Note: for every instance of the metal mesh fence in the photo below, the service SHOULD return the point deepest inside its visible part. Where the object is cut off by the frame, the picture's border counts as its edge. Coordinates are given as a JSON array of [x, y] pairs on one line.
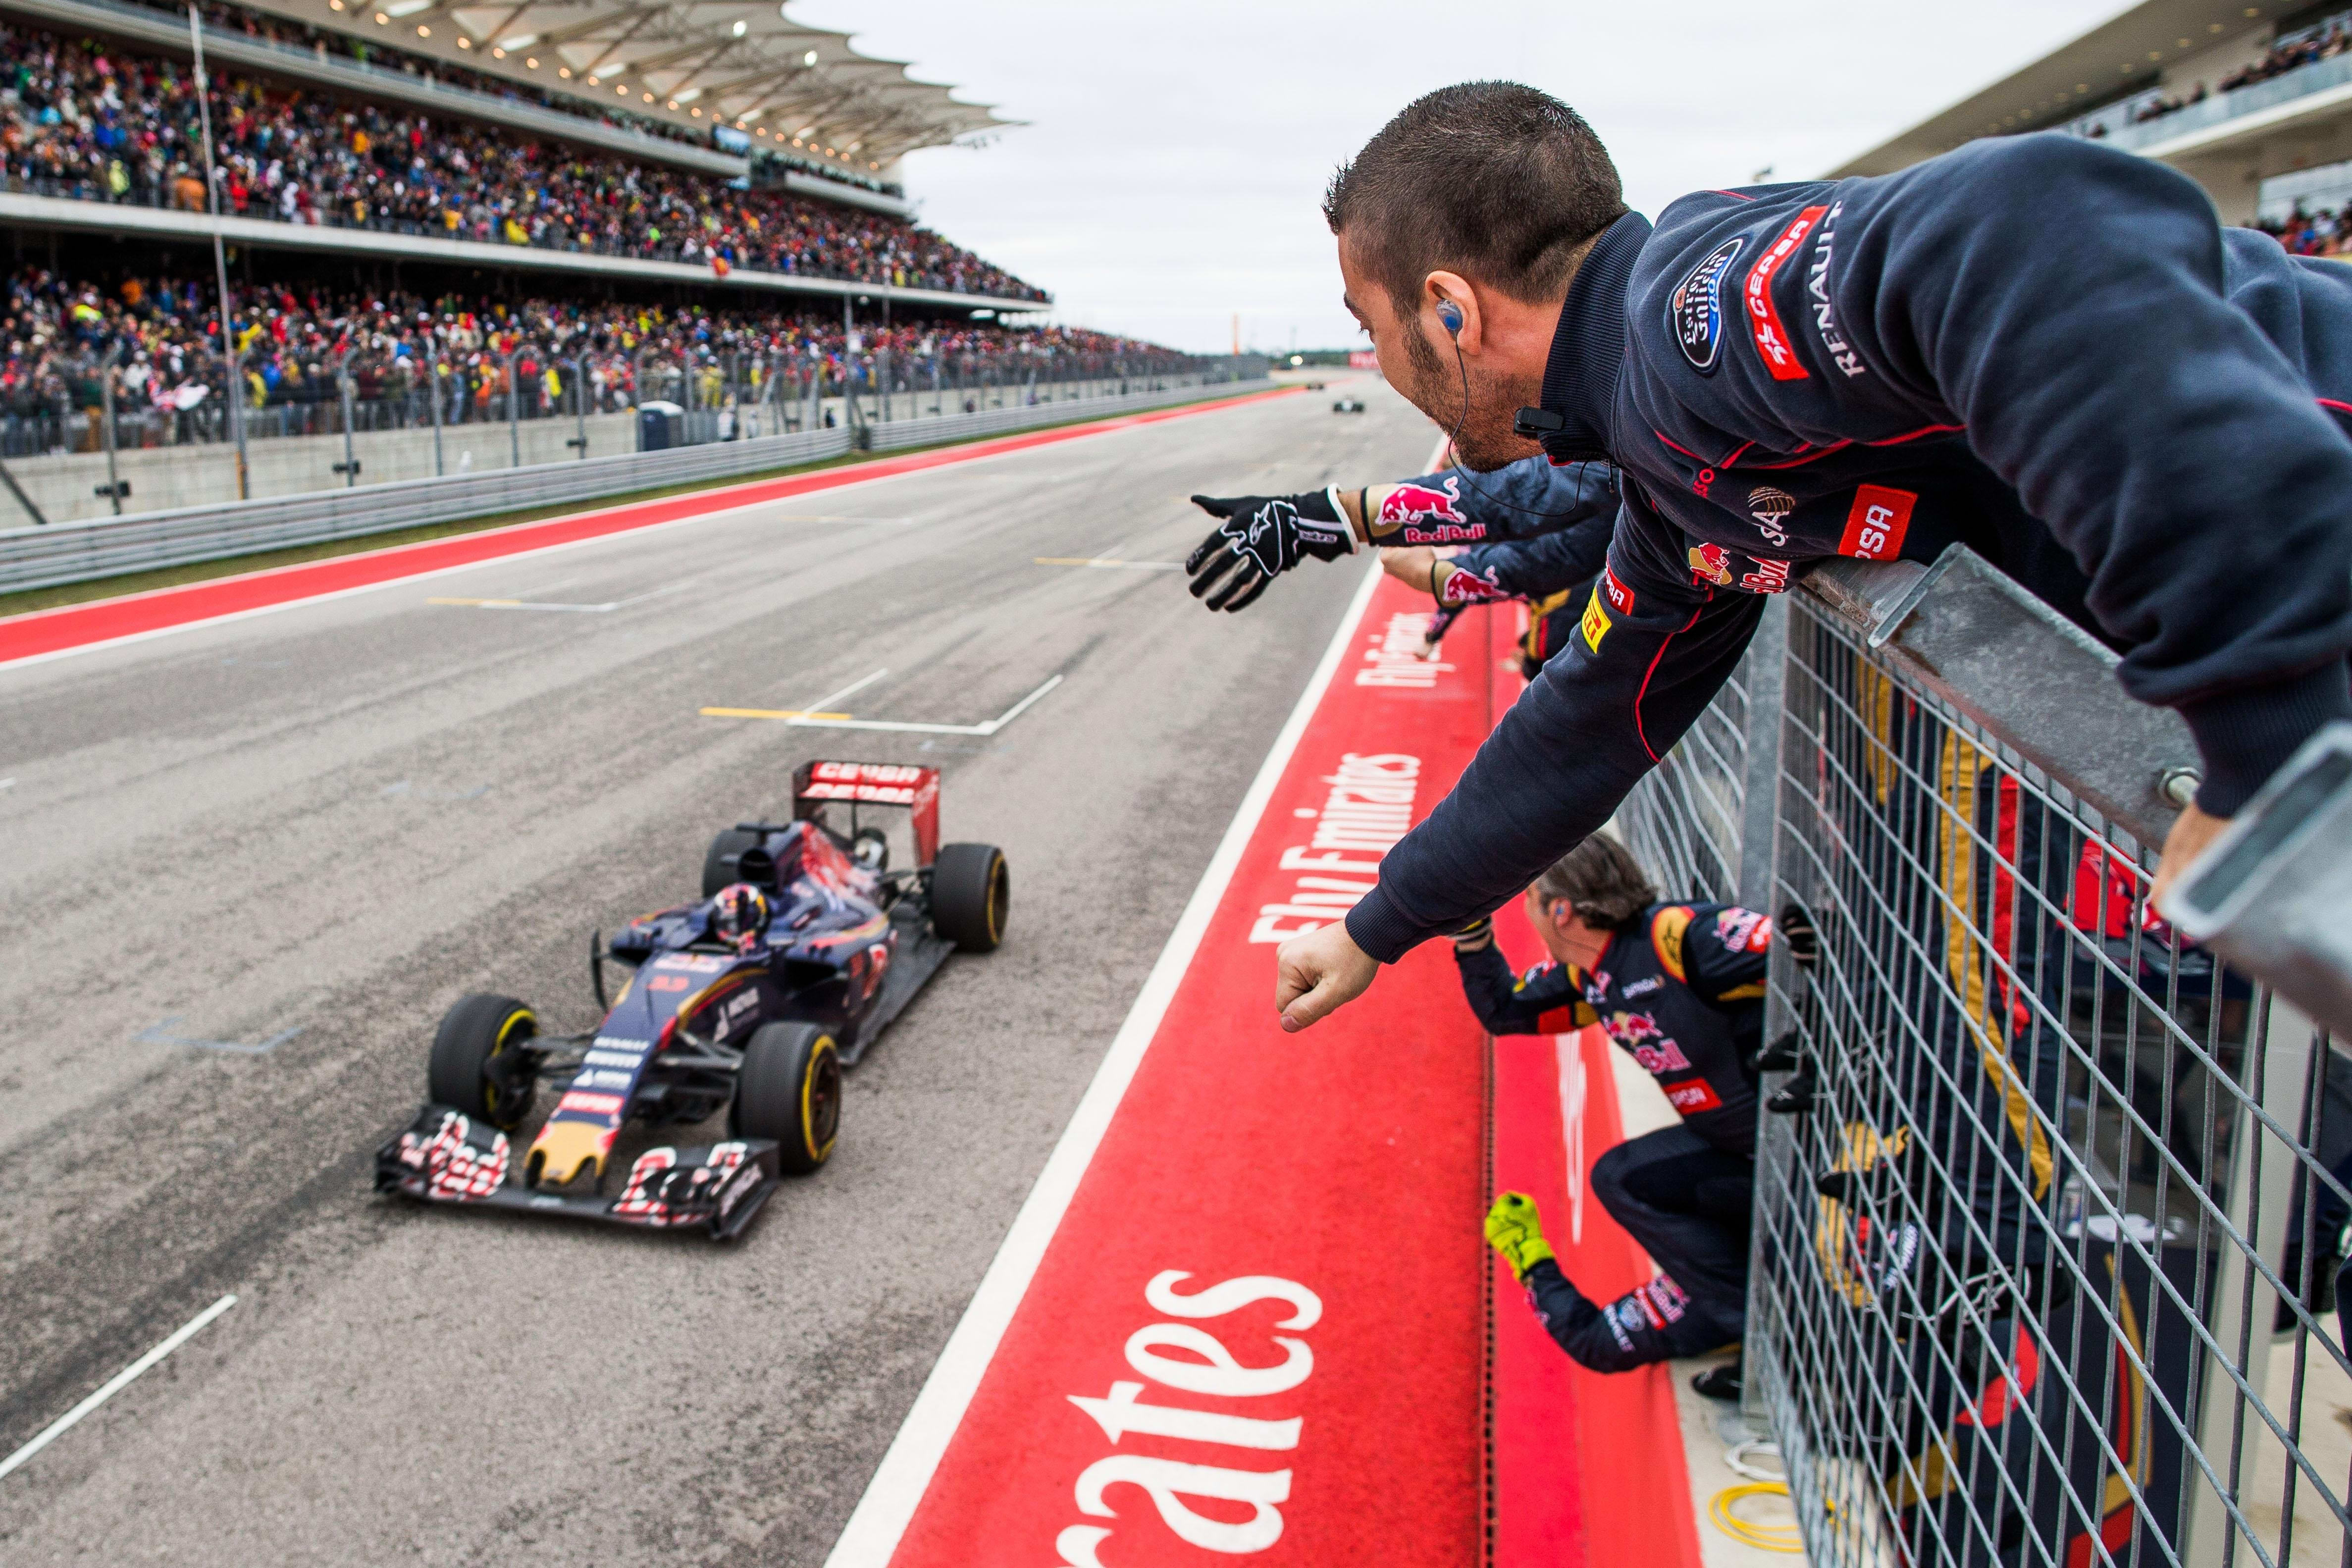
[[2050, 1201]]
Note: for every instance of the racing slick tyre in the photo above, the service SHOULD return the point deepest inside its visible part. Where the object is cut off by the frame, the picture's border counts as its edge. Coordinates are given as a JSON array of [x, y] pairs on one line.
[[721, 865], [789, 1090], [478, 1062], [971, 894]]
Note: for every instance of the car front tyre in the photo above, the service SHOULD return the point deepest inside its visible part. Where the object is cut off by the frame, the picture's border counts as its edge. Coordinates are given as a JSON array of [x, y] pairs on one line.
[[789, 1090], [479, 1041]]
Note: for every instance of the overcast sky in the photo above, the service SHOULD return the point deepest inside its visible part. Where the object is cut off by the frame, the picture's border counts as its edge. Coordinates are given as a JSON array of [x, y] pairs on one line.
[[1175, 153]]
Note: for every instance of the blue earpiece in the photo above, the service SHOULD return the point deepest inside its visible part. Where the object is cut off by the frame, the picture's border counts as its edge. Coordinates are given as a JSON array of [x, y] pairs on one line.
[[1449, 316]]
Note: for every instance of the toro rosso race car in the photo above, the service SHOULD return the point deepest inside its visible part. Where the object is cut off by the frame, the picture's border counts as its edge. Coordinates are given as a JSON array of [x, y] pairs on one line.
[[802, 948]]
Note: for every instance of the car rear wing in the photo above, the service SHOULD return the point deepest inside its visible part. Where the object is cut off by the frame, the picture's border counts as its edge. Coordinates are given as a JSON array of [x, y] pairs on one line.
[[816, 785]]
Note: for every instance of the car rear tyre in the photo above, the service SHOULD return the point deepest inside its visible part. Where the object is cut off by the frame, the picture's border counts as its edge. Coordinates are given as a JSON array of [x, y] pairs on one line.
[[972, 893], [723, 866], [476, 1063], [789, 1090]]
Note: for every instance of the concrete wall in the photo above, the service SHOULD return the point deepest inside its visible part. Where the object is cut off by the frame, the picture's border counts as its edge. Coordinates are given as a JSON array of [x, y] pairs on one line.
[[162, 477]]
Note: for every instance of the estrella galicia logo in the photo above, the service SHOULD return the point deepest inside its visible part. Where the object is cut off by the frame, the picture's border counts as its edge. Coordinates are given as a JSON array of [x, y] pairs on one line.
[[1695, 309]]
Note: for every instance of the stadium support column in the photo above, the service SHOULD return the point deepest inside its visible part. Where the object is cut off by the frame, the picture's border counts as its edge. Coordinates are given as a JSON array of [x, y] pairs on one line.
[[433, 392], [514, 409], [234, 384]]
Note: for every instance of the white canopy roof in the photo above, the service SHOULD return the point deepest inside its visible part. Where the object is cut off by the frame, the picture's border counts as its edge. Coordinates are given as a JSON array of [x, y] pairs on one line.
[[743, 64]]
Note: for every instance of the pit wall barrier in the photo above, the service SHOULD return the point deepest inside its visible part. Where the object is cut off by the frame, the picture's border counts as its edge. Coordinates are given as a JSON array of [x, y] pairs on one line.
[[2049, 1215], [40, 557]]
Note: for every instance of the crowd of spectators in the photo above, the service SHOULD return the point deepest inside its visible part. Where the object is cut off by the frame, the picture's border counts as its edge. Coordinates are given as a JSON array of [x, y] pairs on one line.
[[162, 336], [2323, 233], [93, 120], [2304, 47]]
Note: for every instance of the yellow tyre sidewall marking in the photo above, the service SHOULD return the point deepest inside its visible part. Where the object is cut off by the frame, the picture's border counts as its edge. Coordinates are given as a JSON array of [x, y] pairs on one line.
[[823, 1049]]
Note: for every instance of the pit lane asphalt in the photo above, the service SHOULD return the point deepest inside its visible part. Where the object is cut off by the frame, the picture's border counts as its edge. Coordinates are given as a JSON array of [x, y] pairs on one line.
[[342, 815]]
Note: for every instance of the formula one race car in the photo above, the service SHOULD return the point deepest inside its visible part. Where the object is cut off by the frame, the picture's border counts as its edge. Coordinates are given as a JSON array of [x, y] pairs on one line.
[[803, 949], [1349, 405]]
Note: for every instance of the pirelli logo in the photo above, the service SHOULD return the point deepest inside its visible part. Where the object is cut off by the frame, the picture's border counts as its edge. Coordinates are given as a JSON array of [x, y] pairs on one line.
[[1595, 624]]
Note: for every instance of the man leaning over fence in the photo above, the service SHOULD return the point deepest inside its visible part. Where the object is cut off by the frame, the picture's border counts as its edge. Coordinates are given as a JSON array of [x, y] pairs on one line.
[[1874, 368]]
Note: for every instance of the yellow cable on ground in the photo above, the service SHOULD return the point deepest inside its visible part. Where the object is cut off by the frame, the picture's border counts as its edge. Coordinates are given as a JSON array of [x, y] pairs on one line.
[[1763, 1537]]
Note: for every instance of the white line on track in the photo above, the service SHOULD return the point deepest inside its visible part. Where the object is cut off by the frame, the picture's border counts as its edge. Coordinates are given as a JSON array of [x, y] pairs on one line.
[[116, 1384], [883, 1513], [1103, 563], [830, 698], [986, 727]]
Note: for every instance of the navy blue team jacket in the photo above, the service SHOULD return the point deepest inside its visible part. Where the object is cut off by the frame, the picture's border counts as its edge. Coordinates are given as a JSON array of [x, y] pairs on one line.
[[2045, 349], [1680, 990]]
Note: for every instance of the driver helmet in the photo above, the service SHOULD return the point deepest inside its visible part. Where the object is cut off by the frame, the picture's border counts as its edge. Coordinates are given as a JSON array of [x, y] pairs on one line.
[[738, 915]]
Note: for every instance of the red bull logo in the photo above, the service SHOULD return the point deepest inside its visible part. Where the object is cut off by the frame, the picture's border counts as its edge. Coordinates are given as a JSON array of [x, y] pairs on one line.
[[1711, 564], [1415, 507]]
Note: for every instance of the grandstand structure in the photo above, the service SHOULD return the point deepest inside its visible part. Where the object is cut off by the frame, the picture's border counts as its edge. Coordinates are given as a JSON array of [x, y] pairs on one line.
[[420, 215], [761, 115], [2253, 101]]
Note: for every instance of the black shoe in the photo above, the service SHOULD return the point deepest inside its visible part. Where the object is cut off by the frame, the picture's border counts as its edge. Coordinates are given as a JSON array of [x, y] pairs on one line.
[[1722, 1382]]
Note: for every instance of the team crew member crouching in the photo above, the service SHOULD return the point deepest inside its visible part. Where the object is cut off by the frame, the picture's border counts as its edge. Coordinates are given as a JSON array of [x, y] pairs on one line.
[[1261, 537], [1680, 987]]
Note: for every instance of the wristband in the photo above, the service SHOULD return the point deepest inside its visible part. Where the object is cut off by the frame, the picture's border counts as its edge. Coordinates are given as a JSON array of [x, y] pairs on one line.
[[1339, 509]]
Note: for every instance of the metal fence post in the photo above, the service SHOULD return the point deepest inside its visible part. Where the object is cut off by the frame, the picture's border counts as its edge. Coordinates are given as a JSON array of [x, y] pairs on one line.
[[1767, 680], [514, 409], [115, 488], [580, 403], [349, 467], [2241, 1306], [433, 398]]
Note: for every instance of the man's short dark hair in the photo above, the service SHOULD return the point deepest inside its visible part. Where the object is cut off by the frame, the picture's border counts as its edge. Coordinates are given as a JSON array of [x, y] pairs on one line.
[[1496, 180], [1603, 880]]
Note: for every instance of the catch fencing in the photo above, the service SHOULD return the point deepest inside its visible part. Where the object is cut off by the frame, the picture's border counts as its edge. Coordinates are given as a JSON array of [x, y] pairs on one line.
[[2050, 1200], [38, 557]]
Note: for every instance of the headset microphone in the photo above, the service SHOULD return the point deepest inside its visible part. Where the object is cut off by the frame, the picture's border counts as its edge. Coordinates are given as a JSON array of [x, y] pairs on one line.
[[1449, 316]]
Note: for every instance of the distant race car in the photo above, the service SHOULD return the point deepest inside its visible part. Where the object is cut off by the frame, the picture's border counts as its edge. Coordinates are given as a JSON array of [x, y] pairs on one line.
[[1349, 405], [801, 949]]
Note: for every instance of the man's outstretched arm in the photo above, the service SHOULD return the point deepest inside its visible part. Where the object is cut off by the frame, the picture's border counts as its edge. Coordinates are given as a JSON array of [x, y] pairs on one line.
[[1260, 537], [1652, 648]]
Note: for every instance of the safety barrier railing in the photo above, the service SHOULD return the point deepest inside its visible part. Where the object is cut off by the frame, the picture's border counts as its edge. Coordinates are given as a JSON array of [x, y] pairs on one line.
[[38, 557], [2050, 1199]]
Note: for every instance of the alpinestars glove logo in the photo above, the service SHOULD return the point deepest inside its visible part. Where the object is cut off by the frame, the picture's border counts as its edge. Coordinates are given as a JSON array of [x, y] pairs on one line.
[[1264, 541]]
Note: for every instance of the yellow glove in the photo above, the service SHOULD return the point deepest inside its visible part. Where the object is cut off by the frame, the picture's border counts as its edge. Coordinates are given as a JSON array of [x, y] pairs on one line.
[[1515, 1230]]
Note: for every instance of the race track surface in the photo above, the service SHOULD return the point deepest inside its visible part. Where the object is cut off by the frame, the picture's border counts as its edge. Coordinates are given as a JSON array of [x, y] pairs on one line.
[[338, 817]]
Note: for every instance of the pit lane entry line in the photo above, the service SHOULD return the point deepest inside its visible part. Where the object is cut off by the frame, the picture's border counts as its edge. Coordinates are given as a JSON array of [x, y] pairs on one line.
[[39, 636], [888, 1504], [116, 1384]]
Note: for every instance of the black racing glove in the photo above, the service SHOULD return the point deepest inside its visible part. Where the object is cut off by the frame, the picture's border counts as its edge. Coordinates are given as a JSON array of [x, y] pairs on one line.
[[1261, 538]]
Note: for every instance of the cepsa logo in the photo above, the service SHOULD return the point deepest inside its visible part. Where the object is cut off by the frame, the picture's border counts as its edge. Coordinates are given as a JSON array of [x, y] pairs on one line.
[[1228, 1364], [1877, 521]]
